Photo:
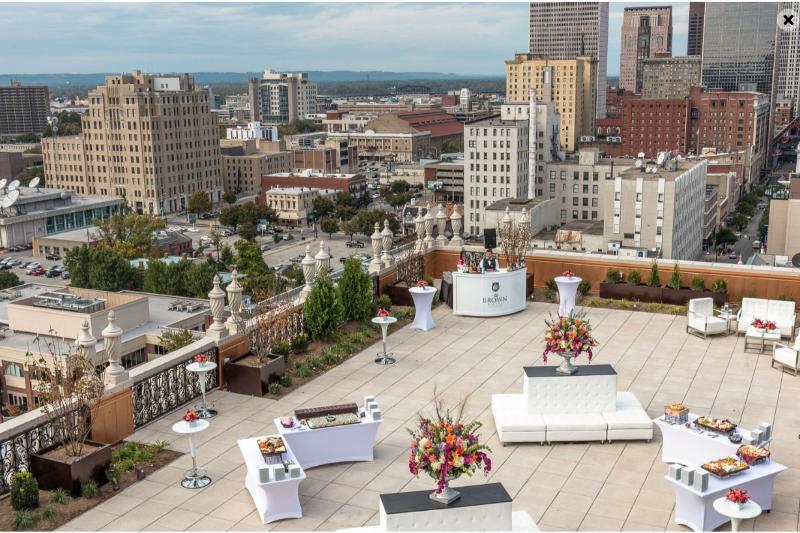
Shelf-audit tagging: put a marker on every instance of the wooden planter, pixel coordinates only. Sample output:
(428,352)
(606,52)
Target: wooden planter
(243,378)
(683,295)
(624,291)
(399,295)
(54,474)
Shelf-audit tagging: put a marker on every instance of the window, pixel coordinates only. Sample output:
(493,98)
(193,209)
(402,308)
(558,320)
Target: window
(638,197)
(576,175)
(563,213)
(14,370)
(594,189)
(576,188)
(594,202)
(574,200)
(552,187)
(617,196)
(575,214)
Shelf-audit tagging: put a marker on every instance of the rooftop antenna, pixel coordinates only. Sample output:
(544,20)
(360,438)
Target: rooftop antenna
(662,156)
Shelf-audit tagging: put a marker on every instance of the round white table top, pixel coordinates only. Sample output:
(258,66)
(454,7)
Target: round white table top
(201,367)
(564,279)
(749,510)
(185,428)
(422,290)
(384,320)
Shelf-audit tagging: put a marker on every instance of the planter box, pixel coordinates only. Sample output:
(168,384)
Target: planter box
(399,295)
(242,378)
(54,473)
(682,296)
(623,291)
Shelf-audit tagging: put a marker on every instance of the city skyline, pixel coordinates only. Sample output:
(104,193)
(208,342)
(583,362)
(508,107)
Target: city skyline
(313,36)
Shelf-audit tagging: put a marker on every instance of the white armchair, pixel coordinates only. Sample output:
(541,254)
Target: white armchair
(701,319)
(787,356)
(782,312)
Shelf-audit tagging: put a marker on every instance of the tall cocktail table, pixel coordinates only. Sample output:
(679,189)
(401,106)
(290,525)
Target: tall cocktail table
(423,301)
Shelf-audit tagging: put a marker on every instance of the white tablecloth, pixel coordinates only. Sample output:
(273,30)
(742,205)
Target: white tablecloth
(338,444)
(275,500)
(567,292)
(689,447)
(423,300)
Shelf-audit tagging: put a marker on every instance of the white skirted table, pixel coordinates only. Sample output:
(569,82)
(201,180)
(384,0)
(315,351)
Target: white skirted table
(275,499)
(567,292)
(423,301)
(735,512)
(385,358)
(195,478)
(202,370)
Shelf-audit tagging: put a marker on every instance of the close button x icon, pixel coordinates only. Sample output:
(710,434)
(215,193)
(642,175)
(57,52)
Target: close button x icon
(788,20)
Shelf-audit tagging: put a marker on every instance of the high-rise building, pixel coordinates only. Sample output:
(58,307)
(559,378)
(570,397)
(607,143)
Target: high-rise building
(23,109)
(694,42)
(670,77)
(282,97)
(787,61)
(496,157)
(569,83)
(655,125)
(150,139)
(646,32)
(739,46)
(566,30)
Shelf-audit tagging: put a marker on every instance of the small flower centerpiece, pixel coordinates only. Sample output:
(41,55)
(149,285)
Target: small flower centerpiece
(738,496)
(568,274)
(568,336)
(191,416)
(201,358)
(445,448)
(383,313)
(422,284)
(764,325)
(461,266)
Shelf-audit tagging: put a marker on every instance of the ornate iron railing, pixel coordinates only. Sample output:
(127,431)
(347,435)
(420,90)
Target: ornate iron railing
(410,266)
(161,393)
(15,451)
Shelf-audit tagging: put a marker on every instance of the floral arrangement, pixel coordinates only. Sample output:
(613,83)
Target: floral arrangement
(382,313)
(201,358)
(445,447)
(191,416)
(571,333)
(568,274)
(422,284)
(738,496)
(768,325)
(460,262)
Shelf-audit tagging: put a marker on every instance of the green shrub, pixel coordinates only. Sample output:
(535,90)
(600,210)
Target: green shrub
(403,313)
(49,512)
(323,308)
(719,285)
(674,281)
(24,491)
(112,474)
(584,287)
(274,388)
(315,364)
(329,358)
(634,278)
(784,298)
(89,490)
(286,380)
(24,519)
(653,279)
(345,347)
(131,454)
(302,370)
(357,338)
(282,348)
(366,330)
(60,496)
(158,446)
(384,302)
(551,285)
(300,343)
(613,276)
(698,283)
(355,291)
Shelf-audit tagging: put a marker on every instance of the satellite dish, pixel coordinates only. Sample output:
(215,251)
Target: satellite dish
(662,156)
(796,260)
(641,155)
(3,183)
(34,182)
(638,163)
(9,199)
(14,185)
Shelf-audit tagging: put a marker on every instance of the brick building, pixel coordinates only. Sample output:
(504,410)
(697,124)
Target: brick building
(355,184)
(655,125)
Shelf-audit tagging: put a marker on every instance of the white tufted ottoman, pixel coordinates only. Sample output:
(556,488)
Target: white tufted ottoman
(630,421)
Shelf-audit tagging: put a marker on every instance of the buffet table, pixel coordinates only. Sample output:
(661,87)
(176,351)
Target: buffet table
(490,294)
(337,444)
(695,509)
(274,499)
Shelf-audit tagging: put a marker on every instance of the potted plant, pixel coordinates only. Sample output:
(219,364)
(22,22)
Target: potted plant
(568,336)
(611,286)
(719,291)
(69,390)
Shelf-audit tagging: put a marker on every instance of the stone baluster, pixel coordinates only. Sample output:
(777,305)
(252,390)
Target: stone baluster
(234,302)
(455,225)
(441,224)
(377,244)
(309,271)
(115,374)
(419,224)
(387,237)
(322,260)
(507,221)
(429,229)
(86,343)
(216,300)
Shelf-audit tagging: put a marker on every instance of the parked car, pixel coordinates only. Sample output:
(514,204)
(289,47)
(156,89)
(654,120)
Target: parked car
(264,247)
(13,262)
(24,264)
(192,229)
(52,257)
(33,265)
(27,246)
(53,273)
(732,255)
(37,271)
(756,245)
(18,248)
(354,244)
(65,274)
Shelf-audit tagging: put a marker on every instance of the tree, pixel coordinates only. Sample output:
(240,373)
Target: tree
(259,280)
(8,279)
(329,226)
(725,236)
(225,256)
(450,146)
(365,220)
(350,228)
(237,214)
(344,212)
(323,308)
(345,199)
(175,340)
(29,137)
(247,231)
(298,126)
(398,186)
(102,269)
(740,220)
(199,202)
(355,291)
(397,200)
(33,172)
(323,207)
(130,234)
(229,198)
(69,123)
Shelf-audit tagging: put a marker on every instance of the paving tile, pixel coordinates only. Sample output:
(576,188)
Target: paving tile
(92,521)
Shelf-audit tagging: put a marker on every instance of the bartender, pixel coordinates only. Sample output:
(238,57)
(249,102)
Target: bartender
(489,262)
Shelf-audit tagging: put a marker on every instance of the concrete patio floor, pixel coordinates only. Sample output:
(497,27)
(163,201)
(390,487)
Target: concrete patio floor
(563,486)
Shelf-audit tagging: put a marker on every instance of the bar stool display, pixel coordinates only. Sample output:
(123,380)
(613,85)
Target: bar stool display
(423,301)
(202,368)
(196,478)
(384,322)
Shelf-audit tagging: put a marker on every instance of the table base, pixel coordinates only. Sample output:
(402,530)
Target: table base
(206,412)
(195,479)
(385,358)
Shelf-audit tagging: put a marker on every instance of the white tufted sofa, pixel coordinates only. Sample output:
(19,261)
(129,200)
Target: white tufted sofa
(779,311)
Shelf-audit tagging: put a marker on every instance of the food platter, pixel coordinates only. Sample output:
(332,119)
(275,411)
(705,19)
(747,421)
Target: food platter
(677,413)
(718,425)
(752,455)
(331,420)
(272,448)
(725,467)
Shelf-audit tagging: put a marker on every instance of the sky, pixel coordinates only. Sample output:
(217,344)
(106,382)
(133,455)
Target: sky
(462,38)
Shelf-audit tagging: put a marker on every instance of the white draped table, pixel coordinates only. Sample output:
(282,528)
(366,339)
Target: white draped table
(423,301)
(567,292)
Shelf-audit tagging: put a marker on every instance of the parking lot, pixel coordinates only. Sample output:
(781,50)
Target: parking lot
(23,259)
